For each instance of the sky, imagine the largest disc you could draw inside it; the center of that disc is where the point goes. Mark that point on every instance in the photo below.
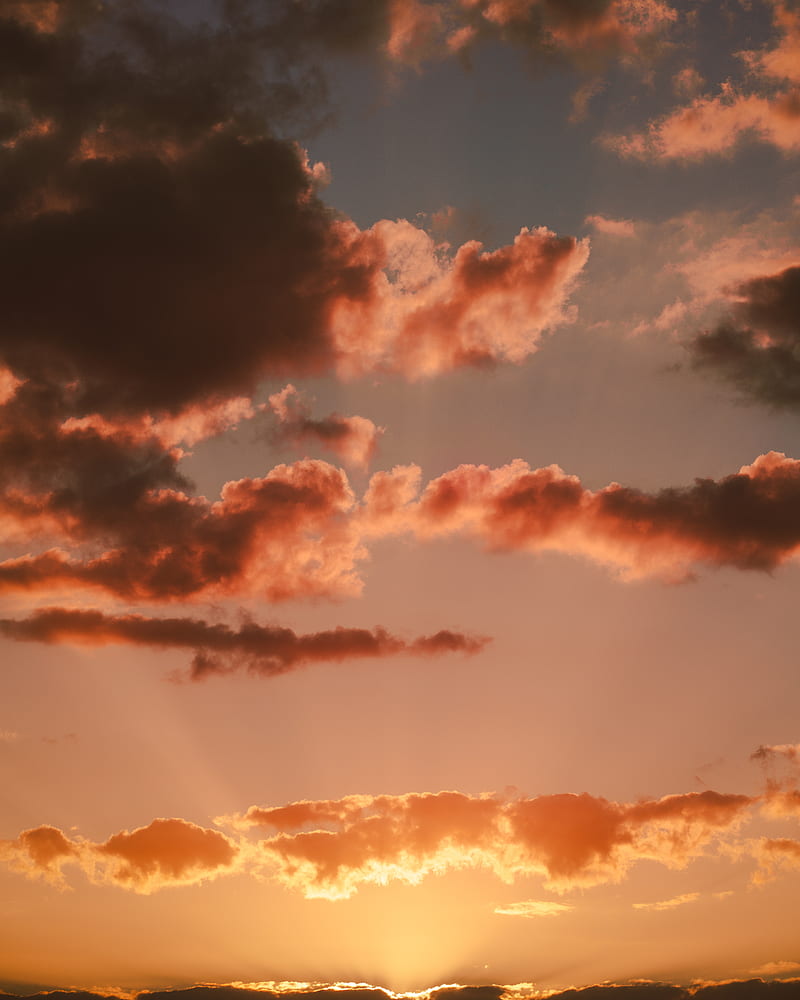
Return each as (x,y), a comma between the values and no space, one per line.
(399,496)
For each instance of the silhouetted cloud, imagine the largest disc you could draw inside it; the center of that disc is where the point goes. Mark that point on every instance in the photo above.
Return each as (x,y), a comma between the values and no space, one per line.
(751,989)
(262,650)
(353,439)
(757,347)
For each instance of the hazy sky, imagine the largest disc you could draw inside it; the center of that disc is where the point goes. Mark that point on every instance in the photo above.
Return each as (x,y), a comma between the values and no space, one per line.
(399,492)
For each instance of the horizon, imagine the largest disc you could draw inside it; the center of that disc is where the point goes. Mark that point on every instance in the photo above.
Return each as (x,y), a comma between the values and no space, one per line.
(400,495)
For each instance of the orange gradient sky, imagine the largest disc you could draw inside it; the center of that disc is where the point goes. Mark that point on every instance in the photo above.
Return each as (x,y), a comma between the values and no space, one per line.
(399,493)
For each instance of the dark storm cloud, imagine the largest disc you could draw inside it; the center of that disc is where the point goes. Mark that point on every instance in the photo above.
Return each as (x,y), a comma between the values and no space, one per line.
(757,347)
(262,650)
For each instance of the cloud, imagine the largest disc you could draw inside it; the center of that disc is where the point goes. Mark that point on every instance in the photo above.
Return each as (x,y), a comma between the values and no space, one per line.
(756,347)
(147,147)
(611,227)
(332,848)
(747,520)
(432,311)
(299,531)
(264,651)
(715,124)
(533,908)
(166,852)
(587,33)
(283,535)
(773,854)
(329,849)
(751,989)
(353,439)
(776,969)
(668,904)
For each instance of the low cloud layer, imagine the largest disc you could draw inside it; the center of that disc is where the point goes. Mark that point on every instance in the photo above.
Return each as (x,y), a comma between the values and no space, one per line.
(745,989)
(330,849)
(262,650)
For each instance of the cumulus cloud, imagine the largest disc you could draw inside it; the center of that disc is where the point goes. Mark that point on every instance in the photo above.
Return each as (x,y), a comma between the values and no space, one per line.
(331,848)
(747,520)
(300,532)
(283,535)
(756,347)
(353,439)
(431,311)
(328,849)
(195,235)
(262,650)
(166,852)
(715,124)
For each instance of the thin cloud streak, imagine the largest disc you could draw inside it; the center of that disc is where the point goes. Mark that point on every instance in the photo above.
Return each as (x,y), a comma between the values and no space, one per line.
(261,650)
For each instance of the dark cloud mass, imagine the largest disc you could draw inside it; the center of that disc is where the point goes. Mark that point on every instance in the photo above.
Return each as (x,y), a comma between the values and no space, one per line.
(219,649)
(757,347)
(750,989)
(182,248)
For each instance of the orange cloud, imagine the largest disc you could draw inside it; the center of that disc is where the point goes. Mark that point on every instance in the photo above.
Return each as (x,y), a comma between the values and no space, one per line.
(353,439)
(284,535)
(299,531)
(430,312)
(166,852)
(261,650)
(747,519)
(329,849)
(713,125)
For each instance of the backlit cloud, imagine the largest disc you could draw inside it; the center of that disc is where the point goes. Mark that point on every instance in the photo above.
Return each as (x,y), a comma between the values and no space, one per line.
(262,650)
(747,519)
(757,346)
(166,852)
(353,439)
(329,849)
(533,908)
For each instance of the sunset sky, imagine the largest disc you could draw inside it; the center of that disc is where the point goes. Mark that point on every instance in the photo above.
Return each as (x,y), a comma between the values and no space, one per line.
(399,493)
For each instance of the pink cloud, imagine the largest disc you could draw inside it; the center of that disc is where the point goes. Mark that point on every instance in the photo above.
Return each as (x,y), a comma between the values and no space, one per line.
(611,227)
(431,312)
(353,439)
(746,520)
